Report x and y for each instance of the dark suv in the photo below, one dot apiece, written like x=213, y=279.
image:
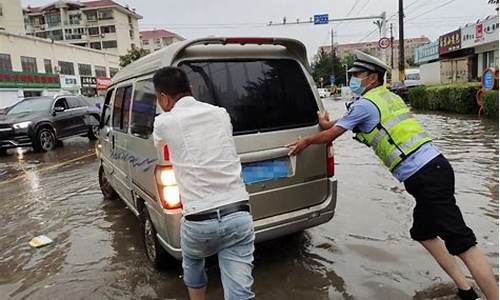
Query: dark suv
x=40, y=122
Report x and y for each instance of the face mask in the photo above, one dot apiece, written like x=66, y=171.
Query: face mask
x=356, y=86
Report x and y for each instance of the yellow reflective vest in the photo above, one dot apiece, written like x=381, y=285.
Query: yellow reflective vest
x=398, y=134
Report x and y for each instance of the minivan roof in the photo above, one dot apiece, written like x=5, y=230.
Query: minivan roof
x=166, y=56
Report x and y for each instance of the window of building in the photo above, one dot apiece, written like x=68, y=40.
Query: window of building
x=85, y=70
x=157, y=41
x=53, y=19
x=56, y=35
x=29, y=64
x=75, y=19
x=91, y=15
x=1, y=10
x=108, y=29
x=5, y=62
x=100, y=71
x=94, y=31
x=105, y=14
x=109, y=44
x=131, y=33
x=95, y=45
x=48, y=66
x=145, y=42
x=66, y=68
x=112, y=71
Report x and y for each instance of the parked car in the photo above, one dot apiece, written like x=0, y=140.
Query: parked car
x=40, y=122
x=412, y=78
x=266, y=87
x=324, y=93
x=401, y=90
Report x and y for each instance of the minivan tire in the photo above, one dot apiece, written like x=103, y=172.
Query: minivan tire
x=156, y=255
x=93, y=133
x=45, y=140
x=106, y=189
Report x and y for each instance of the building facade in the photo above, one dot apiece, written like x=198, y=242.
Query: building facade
x=102, y=24
x=372, y=48
x=31, y=66
x=154, y=40
x=11, y=16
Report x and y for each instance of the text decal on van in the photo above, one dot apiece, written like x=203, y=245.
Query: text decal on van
x=143, y=164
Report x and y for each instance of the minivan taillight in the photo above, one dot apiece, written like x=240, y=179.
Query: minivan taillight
x=167, y=187
x=330, y=162
x=166, y=153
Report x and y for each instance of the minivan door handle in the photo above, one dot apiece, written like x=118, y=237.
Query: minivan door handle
x=113, y=141
x=264, y=155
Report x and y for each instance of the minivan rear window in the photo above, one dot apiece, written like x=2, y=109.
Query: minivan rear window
x=260, y=95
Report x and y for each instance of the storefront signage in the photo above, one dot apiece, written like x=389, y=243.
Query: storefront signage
x=488, y=80
x=70, y=82
x=103, y=83
x=450, y=42
x=88, y=81
x=427, y=53
x=12, y=79
x=482, y=32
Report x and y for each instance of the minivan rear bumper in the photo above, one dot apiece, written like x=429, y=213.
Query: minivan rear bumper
x=287, y=223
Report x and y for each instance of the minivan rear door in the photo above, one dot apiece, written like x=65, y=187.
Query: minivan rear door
x=271, y=103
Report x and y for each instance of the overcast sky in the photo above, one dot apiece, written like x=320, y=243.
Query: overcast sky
x=199, y=18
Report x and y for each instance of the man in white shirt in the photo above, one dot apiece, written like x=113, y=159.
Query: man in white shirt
x=207, y=169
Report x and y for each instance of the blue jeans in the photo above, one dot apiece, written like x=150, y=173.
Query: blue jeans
x=230, y=237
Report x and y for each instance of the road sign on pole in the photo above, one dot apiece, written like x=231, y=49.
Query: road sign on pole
x=332, y=79
x=488, y=81
x=321, y=19
x=384, y=43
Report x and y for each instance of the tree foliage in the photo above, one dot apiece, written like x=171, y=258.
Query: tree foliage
x=132, y=55
x=322, y=68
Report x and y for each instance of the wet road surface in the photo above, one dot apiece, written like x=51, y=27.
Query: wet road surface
x=364, y=253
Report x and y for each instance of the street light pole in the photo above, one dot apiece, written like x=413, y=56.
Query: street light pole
x=346, y=76
x=333, y=60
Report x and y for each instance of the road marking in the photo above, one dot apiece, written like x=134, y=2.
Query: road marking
x=47, y=168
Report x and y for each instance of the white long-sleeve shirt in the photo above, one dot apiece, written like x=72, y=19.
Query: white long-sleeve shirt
x=203, y=154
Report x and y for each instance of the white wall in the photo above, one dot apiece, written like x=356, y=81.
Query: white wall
x=430, y=73
x=9, y=97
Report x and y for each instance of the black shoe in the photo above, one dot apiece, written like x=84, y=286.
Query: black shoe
x=469, y=294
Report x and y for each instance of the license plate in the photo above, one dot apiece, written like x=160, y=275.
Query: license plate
x=266, y=170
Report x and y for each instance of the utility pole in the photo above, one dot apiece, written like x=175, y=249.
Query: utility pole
x=333, y=59
x=392, y=49
x=401, y=42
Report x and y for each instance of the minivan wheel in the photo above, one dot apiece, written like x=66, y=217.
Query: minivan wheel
x=106, y=189
x=3, y=152
x=45, y=140
x=155, y=253
x=93, y=133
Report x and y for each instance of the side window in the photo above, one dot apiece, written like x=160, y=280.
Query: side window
x=121, y=108
x=74, y=102
x=61, y=103
x=106, y=110
x=143, y=109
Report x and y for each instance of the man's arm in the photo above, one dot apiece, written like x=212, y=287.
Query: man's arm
x=323, y=137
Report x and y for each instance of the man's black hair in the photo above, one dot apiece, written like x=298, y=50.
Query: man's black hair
x=172, y=81
x=380, y=77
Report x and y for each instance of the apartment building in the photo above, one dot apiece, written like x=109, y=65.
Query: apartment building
x=102, y=24
x=154, y=40
x=11, y=16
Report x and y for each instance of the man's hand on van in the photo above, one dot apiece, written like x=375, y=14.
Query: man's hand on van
x=297, y=146
x=324, y=120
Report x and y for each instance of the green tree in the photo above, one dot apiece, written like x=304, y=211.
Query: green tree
x=322, y=68
x=132, y=55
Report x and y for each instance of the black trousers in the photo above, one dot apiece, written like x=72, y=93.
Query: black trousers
x=436, y=213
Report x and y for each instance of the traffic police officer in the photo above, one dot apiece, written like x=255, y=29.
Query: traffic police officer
x=381, y=120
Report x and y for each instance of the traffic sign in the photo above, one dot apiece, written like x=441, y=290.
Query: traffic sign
x=332, y=79
x=384, y=43
x=321, y=19
x=488, y=79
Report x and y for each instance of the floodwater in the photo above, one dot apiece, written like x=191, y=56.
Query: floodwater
x=364, y=252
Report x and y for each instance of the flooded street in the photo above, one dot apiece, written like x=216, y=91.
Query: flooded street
x=364, y=252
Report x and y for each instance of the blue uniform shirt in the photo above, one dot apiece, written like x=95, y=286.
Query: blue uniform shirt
x=364, y=114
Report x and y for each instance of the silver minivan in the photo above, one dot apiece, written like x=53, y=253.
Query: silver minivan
x=266, y=87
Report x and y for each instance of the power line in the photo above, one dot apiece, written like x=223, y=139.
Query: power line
x=431, y=10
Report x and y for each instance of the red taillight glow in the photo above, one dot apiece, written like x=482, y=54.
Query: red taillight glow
x=167, y=187
x=330, y=161
x=249, y=41
x=166, y=153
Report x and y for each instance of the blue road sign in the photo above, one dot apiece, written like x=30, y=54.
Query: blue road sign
x=488, y=79
x=320, y=19
x=332, y=79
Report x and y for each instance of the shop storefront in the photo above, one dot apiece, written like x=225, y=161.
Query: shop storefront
x=102, y=85
x=457, y=64
x=17, y=85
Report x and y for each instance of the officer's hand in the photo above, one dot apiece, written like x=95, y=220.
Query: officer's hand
x=297, y=146
x=324, y=120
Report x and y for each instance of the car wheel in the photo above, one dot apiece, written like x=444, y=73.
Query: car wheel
x=3, y=152
x=45, y=140
x=106, y=189
x=157, y=256
x=93, y=133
